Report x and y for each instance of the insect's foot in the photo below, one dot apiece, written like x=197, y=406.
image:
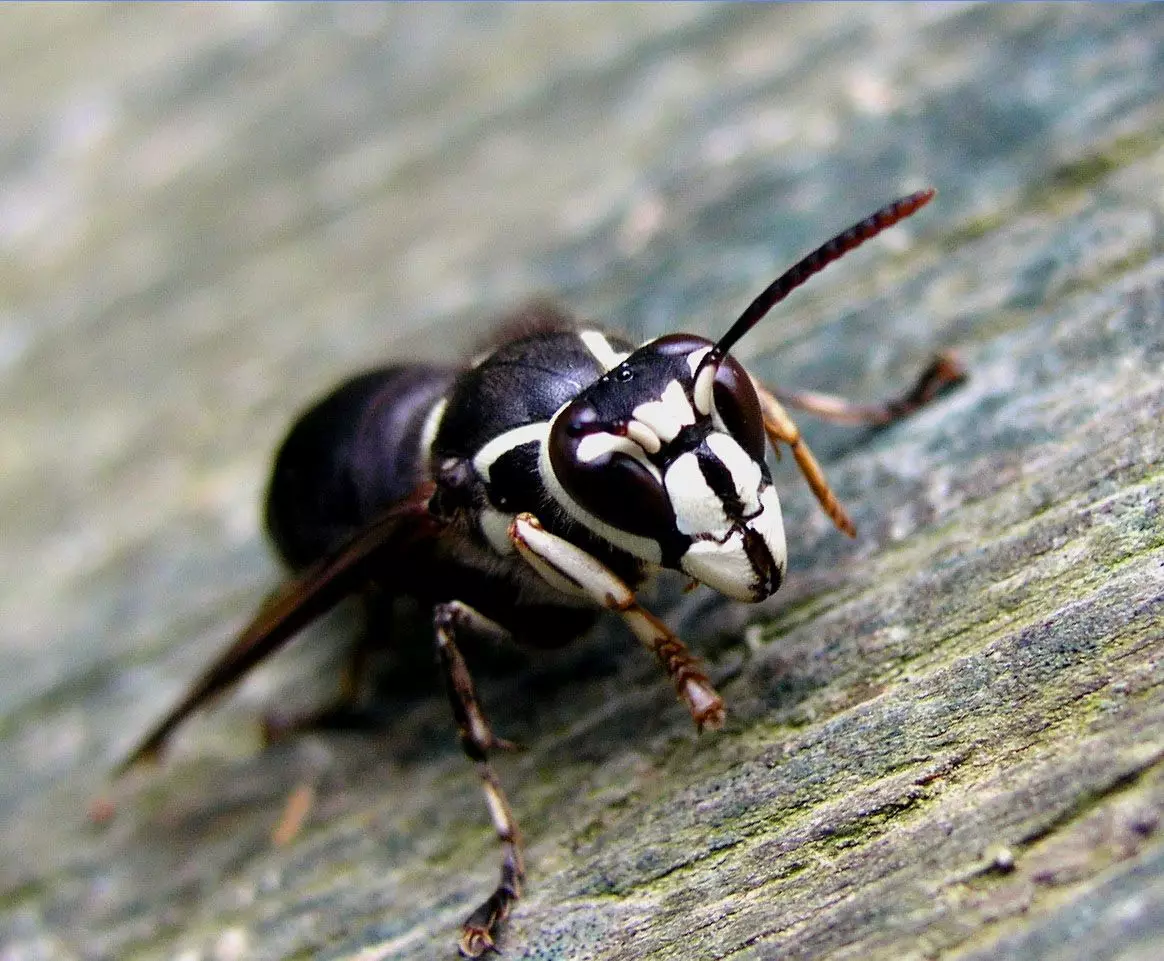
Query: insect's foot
x=475, y=941
x=946, y=370
x=712, y=721
x=480, y=927
x=707, y=709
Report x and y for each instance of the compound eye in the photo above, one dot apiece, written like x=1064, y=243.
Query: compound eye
x=739, y=408
x=622, y=492
x=606, y=473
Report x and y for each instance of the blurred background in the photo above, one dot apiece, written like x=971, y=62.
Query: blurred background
x=211, y=213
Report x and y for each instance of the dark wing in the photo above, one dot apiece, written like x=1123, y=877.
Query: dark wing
x=381, y=549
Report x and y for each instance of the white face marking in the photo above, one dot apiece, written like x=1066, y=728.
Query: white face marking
x=702, y=393
x=723, y=567
x=642, y=435
x=745, y=471
x=695, y=358
x=770, y=526
x=432, y=423
x=697, y=509
x=599, y=346
x=487, y=455
x=720, y=560
x=599, y=445
x=668, y=415
x=641, y=547
x=704, y=390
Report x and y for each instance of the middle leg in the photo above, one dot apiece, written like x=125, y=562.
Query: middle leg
x=480, y=928
x=781, y=428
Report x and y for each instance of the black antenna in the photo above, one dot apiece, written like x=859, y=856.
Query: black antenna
x=814, y=263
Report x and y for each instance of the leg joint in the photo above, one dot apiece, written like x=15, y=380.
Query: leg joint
x=448, y=615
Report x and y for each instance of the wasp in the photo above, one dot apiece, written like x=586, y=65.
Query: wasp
x=524, y=494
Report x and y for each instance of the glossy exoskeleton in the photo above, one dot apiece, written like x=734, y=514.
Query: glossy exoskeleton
x=523, y=494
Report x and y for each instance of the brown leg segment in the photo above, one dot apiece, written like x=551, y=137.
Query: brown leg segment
x=347, y=712
x=554, y=557
x=480, y=928
x=780, y=427
x=691, y=684
x=944, y=371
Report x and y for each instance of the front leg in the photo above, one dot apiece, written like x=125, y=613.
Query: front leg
x=556, y=559
x=781, y=428
x=944, y=371
x=480, y=928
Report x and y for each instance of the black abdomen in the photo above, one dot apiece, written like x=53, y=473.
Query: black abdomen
x=350, y=456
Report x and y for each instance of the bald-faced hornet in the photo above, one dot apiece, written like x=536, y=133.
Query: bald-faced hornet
x=525, y=493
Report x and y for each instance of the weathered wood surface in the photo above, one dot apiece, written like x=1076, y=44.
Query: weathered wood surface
x=945, y=738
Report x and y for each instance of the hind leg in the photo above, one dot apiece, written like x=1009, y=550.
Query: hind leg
x=350, y=709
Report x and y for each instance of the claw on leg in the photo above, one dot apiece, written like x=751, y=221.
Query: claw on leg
x=479, y=930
